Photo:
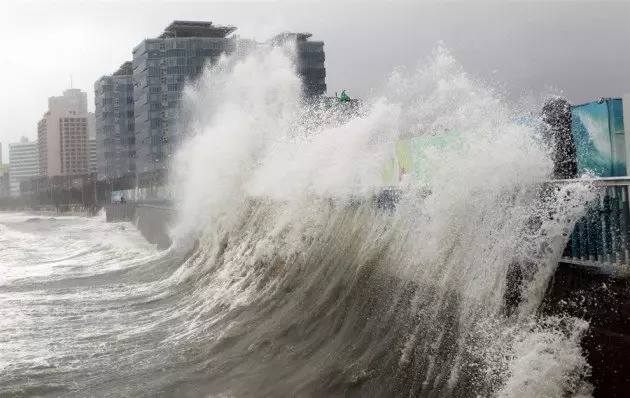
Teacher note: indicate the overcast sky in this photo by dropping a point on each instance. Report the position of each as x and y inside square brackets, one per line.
[524, 48]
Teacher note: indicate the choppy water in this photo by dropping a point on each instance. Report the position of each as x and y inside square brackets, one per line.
[307, 291]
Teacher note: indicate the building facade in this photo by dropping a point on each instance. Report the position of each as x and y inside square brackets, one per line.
[72, 99]
[93, 156]
[62, 135]
[5, 182]
[161, 68]
[23, 163]
[115, 137]
[62, 138]
[139, 121]
[310, 61]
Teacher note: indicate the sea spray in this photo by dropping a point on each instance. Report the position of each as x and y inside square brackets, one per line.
[315, 291]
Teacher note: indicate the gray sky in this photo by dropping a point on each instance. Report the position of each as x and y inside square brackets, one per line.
[524, 48]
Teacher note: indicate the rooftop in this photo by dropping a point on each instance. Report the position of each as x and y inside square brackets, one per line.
[23, 141]
[126, 69]
[196, 29]
[286, 36]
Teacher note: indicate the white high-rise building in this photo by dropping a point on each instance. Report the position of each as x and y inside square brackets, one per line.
[23, 163]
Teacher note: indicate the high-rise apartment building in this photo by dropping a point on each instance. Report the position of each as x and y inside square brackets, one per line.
[62, 138]
[139, 132]
[310, 61]
[23, 163]
[115, 137]
[63, 134]
[161, 68]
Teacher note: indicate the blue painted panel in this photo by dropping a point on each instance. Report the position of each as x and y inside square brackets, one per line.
[597, 129]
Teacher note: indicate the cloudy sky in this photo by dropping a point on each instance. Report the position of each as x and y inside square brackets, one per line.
[581, 49]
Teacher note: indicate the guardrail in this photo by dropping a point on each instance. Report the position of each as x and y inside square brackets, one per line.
[601, 238]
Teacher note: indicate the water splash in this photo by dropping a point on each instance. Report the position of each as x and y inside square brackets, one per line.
[324, 293]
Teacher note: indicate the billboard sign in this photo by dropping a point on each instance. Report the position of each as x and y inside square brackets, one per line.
[598, 133]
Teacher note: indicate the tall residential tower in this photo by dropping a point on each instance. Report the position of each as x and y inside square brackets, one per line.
[62, 135]
[115, 146]
[139, 133]
[161, 68]
[310, 61]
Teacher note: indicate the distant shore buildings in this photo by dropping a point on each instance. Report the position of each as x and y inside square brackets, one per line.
[138, 119]
[63, 135]
[23, 163]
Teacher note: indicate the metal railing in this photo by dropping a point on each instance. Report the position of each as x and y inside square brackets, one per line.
[601, 238]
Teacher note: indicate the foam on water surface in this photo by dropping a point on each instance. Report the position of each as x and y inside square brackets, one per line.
[299, 285]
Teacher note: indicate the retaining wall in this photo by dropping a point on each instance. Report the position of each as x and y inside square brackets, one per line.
[153, 222]
[589, 293]
[604, 301]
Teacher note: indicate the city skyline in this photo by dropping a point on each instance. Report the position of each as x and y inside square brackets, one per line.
[71, 140]
[489, 40]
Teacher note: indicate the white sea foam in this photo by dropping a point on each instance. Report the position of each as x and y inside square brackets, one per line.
[253, 138]
[277, 192]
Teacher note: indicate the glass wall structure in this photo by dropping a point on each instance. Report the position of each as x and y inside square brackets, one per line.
[161, 68]
[115, 123]
[310, 61]
[311, 67]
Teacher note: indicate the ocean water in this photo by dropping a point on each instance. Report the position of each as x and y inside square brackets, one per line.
[298, 285]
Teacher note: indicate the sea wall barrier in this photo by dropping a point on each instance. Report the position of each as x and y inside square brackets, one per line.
[154, 222]
[604, 301]
[592, 281]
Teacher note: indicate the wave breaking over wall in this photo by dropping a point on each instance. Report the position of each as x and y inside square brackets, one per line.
[300, 286]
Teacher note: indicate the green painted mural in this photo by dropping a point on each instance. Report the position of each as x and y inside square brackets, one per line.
[410, 156]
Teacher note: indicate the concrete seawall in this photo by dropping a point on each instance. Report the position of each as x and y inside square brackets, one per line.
[120, 212]
[153, 222]
[588, 293]
[604, 301]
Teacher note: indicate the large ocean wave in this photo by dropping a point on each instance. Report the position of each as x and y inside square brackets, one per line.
[299, 285]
